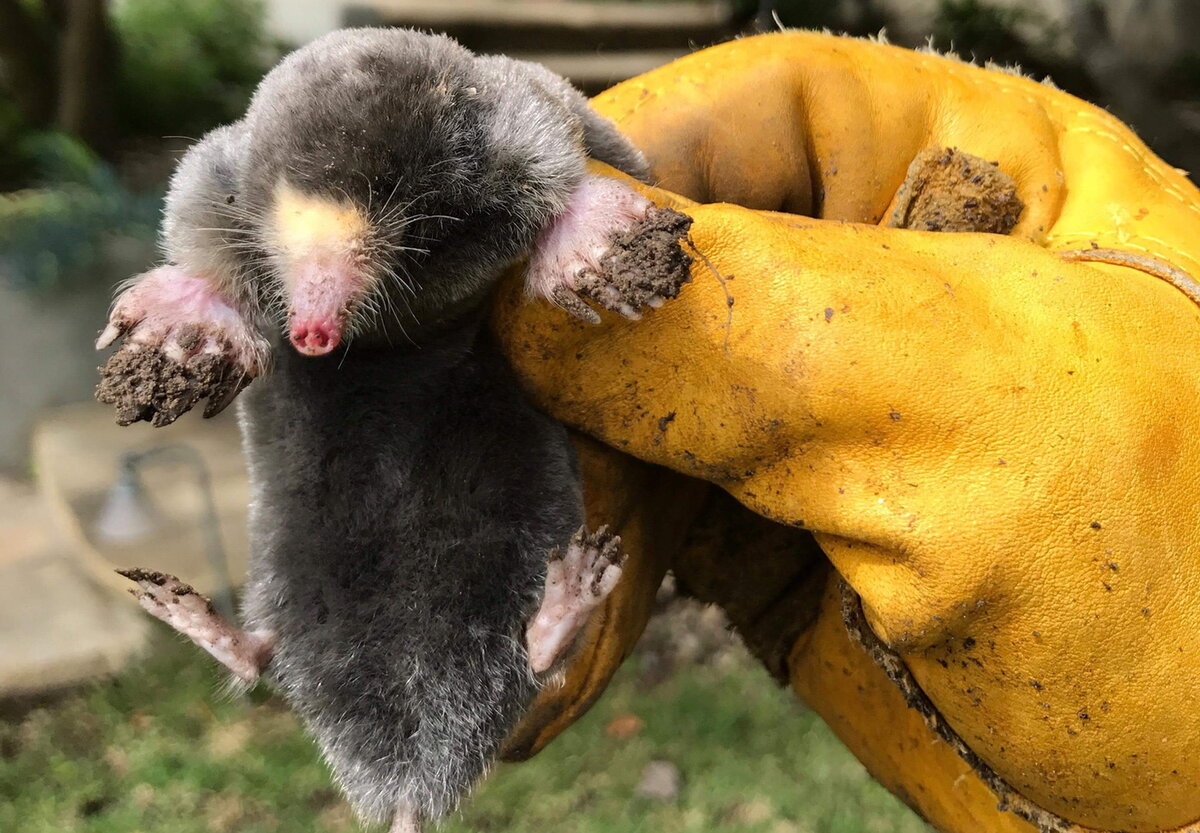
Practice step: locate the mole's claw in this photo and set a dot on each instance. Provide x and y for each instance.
(109, 334)
(165, 416)
(569, 300)
(224, 393)
(151, 581)
(131, 573)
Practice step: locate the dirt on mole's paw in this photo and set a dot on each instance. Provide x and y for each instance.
(145, 384)
(948, 190)
(176, 589)
(157, 578)
(648, 259)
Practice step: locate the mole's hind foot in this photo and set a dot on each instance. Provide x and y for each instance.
(613, 247)
(167, 598)
(182, 343)
(579, 578)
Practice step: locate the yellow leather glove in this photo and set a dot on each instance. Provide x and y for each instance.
(994, 443)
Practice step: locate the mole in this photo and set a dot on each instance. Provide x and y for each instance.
(419, 559)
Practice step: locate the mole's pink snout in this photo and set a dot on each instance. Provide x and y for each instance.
(323, 295)
(315, 338)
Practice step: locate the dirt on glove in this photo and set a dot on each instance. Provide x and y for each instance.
(948, 190)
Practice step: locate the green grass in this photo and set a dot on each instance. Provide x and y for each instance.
(161, 749)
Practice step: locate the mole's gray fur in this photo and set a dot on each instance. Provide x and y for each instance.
(405, 495)
(202, 230)
(404, 507)
(480, 151)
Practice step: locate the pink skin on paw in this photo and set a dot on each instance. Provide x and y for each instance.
(576, 584)
(323, 293)
(576, 240)
(183, 315)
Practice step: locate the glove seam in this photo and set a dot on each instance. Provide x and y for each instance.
(892, 665)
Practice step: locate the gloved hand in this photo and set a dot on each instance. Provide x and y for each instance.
(992, 438)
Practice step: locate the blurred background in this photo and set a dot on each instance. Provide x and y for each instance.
(107, 723)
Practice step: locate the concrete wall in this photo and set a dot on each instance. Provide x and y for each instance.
(46, 347)
(297, 22)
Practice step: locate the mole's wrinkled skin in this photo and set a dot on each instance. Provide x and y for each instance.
(407, 501)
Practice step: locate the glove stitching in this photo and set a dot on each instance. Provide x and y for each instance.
(1141, 156)
(1091, 241)
(1156, 267)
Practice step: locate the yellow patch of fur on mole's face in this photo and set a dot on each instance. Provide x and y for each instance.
(307, 225)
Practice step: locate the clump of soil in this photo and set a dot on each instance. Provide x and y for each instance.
(648, 260)
(145, 384)
(948, 190)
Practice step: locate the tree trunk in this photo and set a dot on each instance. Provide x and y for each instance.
(87, 74)
(27, 53)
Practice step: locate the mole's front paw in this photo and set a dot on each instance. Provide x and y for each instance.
(578, 579)
(611, 246)
(182, 343)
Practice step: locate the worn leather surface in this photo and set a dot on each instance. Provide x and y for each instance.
(997, 448)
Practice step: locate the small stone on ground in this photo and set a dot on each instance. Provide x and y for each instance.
(661, 781)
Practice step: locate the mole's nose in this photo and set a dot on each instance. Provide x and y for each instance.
(314, 338)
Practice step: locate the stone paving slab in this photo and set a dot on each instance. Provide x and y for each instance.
(58, 629)
(64, 615)
(25, 527)
(77, 451)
